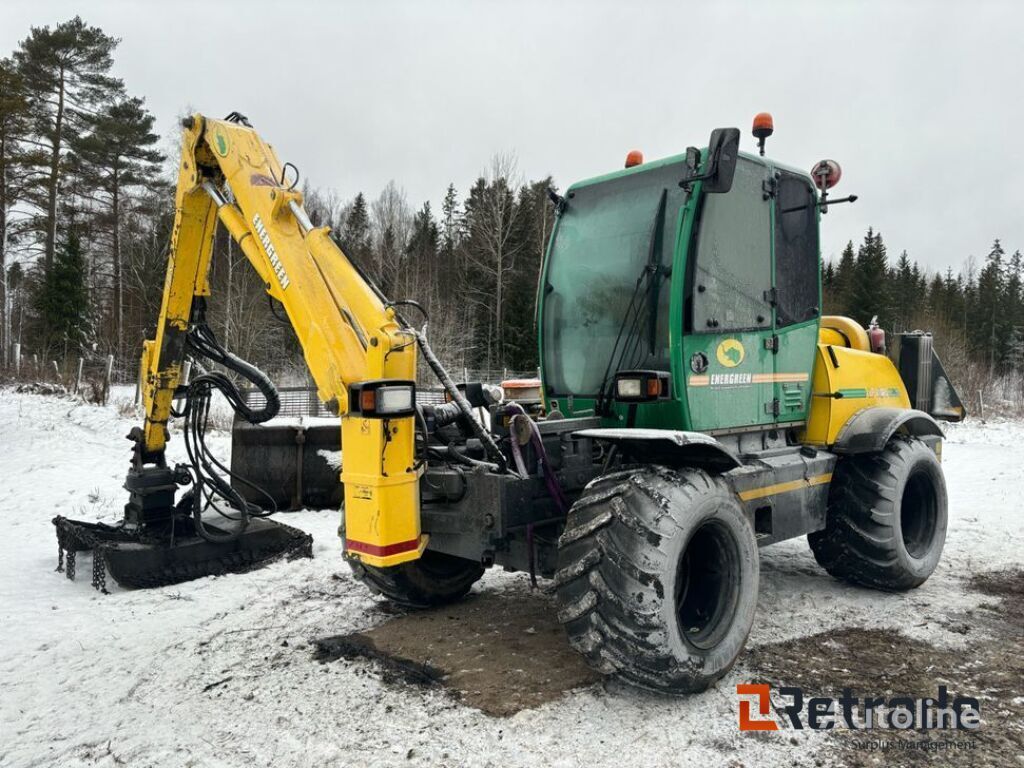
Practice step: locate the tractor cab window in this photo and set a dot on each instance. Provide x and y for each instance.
(608, 282)
(733, 260)
(797, 261)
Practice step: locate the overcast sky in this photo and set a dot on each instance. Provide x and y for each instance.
(921, 102)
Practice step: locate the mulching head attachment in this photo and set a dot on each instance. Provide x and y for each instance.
(137, 558)
(212, 529)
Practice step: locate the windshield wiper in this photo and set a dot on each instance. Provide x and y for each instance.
(653, 259)
(651, 270)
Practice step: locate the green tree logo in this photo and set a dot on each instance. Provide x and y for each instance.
(730, 353)
(220, 142)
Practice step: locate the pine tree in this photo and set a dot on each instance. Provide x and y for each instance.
(423, 245)
(828, 275)
(904, 291)
(65, 71)
(953, 299)
(1015, 353)
(13, 132)
(1013, 301)
(843, 283)
(870, 291)
(355, 235)
(988, 326)
(937, 297)
(113, 159)
(63, 300)
(449, 226)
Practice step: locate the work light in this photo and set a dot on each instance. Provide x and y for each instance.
(641, 386)
(383, 399)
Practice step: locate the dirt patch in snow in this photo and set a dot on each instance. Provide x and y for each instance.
(885, 662)
(499, 652)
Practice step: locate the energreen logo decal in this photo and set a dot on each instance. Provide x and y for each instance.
(730, 353)
(275, 260)
(220, 142)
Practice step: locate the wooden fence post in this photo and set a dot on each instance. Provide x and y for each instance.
(106, 378)
(138, 385)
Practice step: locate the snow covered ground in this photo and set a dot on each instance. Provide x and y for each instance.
(219, 672)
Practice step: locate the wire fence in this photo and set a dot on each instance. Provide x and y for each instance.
(303, 401)
(89, 375)
(93, 376)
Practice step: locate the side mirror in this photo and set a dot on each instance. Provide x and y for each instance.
(723, 148)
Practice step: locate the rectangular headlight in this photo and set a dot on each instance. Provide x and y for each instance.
(642, 386)
(395, 400)
(383, 399)
(628, 388)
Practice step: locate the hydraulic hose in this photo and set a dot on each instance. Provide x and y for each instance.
(208, 473)
(550, 479)
(459, 399)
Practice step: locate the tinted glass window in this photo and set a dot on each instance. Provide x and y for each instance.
(796, 251)
(733, 268)
(607, 236)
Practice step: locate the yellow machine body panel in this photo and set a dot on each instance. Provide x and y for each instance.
(348, 335)
(843, 332)
(846, 381)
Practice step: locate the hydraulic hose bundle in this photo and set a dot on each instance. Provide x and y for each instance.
(211, 488)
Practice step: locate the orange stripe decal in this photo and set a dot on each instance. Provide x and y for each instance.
(756, 378)
(778, 378)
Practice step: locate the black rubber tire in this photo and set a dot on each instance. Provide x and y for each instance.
(434, 579)
(634, 546)
(887, 517)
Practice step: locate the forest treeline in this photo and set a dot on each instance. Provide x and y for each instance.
(977, 314)
(86, 211)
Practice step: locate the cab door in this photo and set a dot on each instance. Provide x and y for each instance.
(797, 294)
(727, 366)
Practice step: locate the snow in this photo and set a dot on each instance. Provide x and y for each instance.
(218, 672)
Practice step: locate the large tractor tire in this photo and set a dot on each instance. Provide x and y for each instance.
(886, 522)
(657, 577)
(434, 579)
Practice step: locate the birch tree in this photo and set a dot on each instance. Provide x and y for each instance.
(490, 247)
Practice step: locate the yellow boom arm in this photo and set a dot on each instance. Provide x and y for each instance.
(348, 335)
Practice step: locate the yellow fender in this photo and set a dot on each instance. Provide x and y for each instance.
(845, 382)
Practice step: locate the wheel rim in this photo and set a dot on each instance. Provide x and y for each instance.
(919, 514)
(705, 594)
